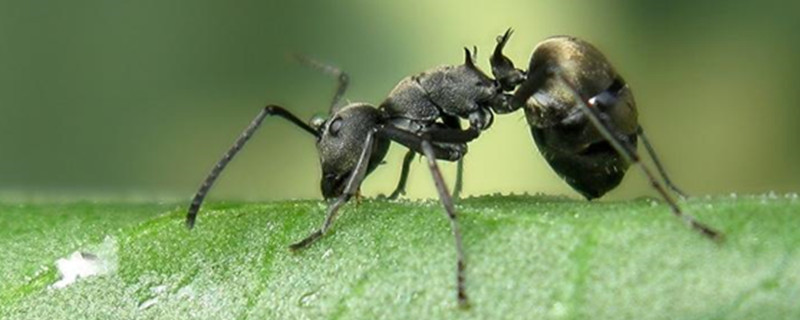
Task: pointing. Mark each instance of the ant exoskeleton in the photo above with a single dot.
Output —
(589, 142)
(422, 113)
(583, 118)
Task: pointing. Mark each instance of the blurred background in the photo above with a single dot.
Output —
(141, 98)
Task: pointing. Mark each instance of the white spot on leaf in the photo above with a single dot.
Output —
(83, 264)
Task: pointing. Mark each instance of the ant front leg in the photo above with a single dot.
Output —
(350, 190)
(270, 110)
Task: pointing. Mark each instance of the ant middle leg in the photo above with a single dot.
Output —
(422, 144)
(455, 123)
(342, 78)
(401, 185)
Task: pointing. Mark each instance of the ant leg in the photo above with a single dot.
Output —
(350, 189)
(444, 135)
(454, 123)
(455, 136)
(451, 135)
(401, 185)
(414, 141)
(450, 210)
(467, 135)
(270, 110)
(459, 179)
(341, 77)
(633, 158)
(661, 171)
(423, 145)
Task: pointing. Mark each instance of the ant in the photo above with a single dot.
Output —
(579, 139)
(422, 113)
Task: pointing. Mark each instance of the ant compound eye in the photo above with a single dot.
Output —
(335, 126)
(316, 122)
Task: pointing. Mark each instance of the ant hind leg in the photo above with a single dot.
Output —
(630, 155)
(652, 152)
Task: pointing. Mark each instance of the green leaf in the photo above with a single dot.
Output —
(527, 258)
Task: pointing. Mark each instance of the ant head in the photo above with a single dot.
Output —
(502, 68)
(340, 143)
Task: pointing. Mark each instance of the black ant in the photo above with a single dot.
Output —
(423, 113)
